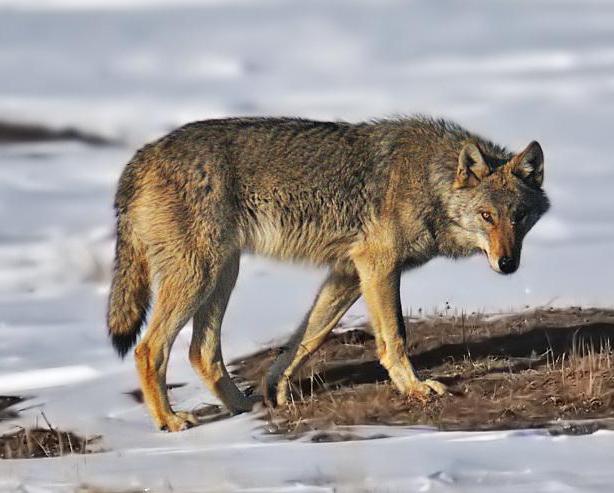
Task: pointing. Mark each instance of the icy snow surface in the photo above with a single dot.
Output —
(132, 70)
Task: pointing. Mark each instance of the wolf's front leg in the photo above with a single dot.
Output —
(380, 286)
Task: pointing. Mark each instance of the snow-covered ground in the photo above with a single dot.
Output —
(131, 70)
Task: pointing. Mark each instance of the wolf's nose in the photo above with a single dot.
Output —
(507, 265)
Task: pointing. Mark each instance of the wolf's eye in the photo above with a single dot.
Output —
(487, 217)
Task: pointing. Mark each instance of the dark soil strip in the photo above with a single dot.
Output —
(6, 401)
(18, 132)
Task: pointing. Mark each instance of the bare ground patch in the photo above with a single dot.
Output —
(543, 368)
(6, 403)
(44, 442)
(11, 132)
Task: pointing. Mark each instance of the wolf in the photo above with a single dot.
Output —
(366, 200)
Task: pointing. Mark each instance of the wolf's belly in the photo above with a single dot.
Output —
(311, 242)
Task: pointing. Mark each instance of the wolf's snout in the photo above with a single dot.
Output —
(507, 265)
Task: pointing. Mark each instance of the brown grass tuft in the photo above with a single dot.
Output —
(45, 441)
(42, 442)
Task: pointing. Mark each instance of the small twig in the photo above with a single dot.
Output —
(51, 428)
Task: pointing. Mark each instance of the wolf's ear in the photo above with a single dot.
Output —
(472, 167)
(529, 164)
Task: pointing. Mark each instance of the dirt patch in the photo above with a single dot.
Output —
(18, 132)
(40, 441)
(544, 368)
(44, 442)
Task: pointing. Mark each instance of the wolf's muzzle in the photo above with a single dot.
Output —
(508, 265)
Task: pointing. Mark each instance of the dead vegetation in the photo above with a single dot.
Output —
(517, 371)
(44, 441)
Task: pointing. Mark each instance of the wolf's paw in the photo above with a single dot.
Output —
(179, 421)
(423, 388)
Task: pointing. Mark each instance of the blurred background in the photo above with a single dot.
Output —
(100, 78)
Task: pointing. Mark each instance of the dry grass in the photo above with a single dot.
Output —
(44, 441)
(521, 370)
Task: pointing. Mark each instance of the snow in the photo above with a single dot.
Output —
(132, 70)
(46, 377)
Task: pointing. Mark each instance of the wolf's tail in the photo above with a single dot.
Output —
(130, 293)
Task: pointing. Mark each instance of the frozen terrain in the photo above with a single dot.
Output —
(132, 70)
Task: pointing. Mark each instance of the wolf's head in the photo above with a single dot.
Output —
(496, 202)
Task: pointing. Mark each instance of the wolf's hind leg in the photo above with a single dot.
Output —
(176, 301)
(380, 287)
(336, 296)
(205, 348)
